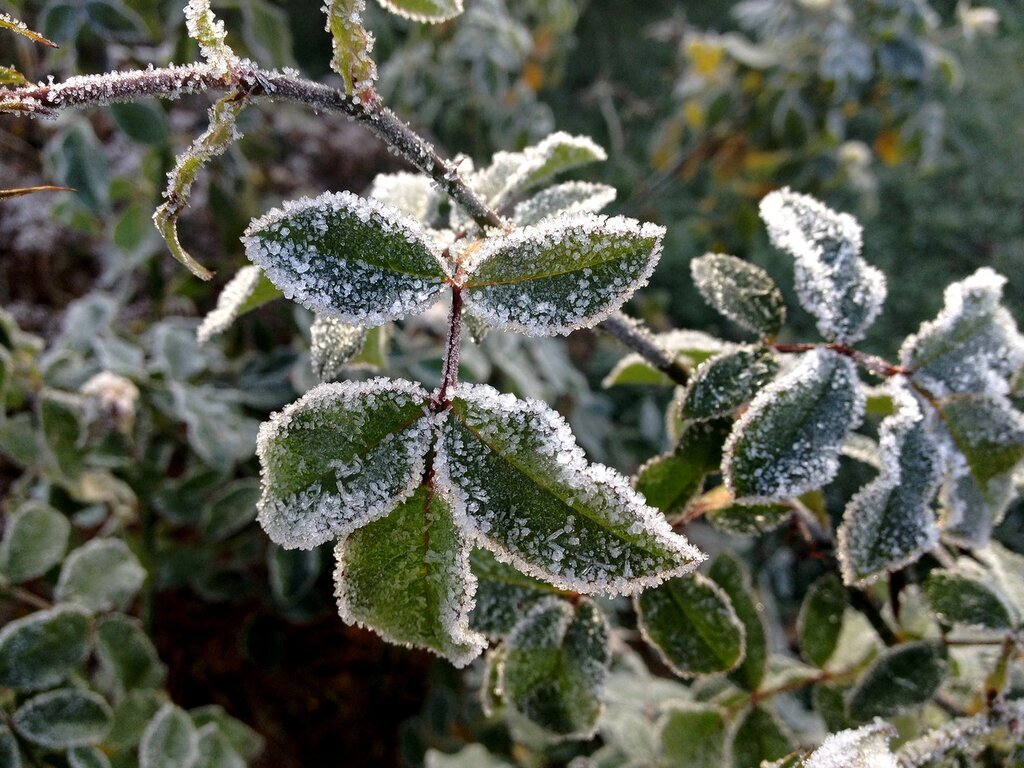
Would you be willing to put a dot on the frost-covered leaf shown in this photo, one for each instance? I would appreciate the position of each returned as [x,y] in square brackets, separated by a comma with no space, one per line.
[341,456]
[231,509]
[959,597]
[866,747]
[972,346]
[215,751]
[670,482]
[1007,570]
[35,538]
[747,518]
[292,573]
[987,440]
[821,619]
[726,381]
[568,198]
[8,22]
[741,291]
[901,677]
[759,736]
[128,658]
[407,577]
[429,11]
[524,490]
[344,256]
[100,575]
[556,663]
[41,649]
[833,283]
[502,595]
[562,274]
[246,291]
[12,78]
[889,523]
[63,415]
[204,27]
[374,354]
[413,194]
[87,757]
[169,741]
[243,739]
[693,735]
[352,45]
[63,718]
[691,623]
[471,756]
[731,576]
[690,347]
[788,440]
[332,346]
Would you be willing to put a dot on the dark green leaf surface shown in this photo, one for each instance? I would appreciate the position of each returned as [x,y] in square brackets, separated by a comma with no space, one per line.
[758,737]
[728,380]
[900,678]
[41,649]
[749,518]
[741,291]
[691,622]
[821,619]
[694,736]
[730,575]
[502,594]
[407,577]
[958,598]
[671,481]
[127,656]
[63,718]
[34,541]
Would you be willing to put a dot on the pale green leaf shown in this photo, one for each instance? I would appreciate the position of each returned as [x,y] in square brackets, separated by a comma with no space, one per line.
[889,523]
[691,623]
[670,482]
[731,576]
[740,291]
[562,274]
[243,739]
[131,716]
[689,347]
[693,735]
[759,736]
[407,577]
[866,747]
[428,11]
[833,282]
[333,344]
[374,354]
[821,619]
[63,718]
[34,541]
[352,45]
[472,756]
[788,440]
[902,677]
[556,662]
[246,291]
[128,659]
[100,575]
[215,751]
[169,741]
[524,490]
[960,597]
[502,594]
[339,457]
[62,415]
[204,27]
[87,757]
[10,78]
[353,258]
[569,198]
[41,649]
[727,381]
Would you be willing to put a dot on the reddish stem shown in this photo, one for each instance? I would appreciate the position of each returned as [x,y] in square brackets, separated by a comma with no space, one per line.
[450,372]
[871,363]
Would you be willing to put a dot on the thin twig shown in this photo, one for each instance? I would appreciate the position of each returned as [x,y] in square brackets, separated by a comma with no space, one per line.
[24,596]
[635,335]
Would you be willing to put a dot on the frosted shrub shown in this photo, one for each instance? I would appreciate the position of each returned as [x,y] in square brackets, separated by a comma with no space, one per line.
[470,523]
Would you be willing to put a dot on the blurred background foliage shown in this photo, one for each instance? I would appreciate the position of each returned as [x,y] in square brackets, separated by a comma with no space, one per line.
[903,112]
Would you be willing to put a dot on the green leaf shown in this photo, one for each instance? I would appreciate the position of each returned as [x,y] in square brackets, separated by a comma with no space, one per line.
[143,121]
[963,598]
[972,346]
[115,21]
[231,509]
[41,649]
[471,756]
[788,440]
[87,757]
[333,344]
[62,415]
[833,283]
[725,382]
[731,576]
[889,523]
[339,457]
[243,739]
[344,256]
[79,162]
[215,751]
[293,573]
[11,78]
[670,482]
[691,623]
[556,663]
[562,274]
[128,659]
[7,22]
[740,291]
[524,490]
[901,677]
[34,541]
[63,718]
[502,594]
[428,11]
[407,577]
[866,747]
[131,716]
[759,736]
[170,740]
[1007,569]
[10,755]
[569,198]
[693,735]
[352,45]
[374,353]
[748,518]
[218,431]
[821,619]
[246,291]
[690,347]
[100,575]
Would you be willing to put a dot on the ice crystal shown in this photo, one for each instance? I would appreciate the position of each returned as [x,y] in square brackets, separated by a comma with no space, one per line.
[833,283]
[866,747]
[569,198]
[204,27]
[341,255]
[332,345]
[246,290]
[562,274]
